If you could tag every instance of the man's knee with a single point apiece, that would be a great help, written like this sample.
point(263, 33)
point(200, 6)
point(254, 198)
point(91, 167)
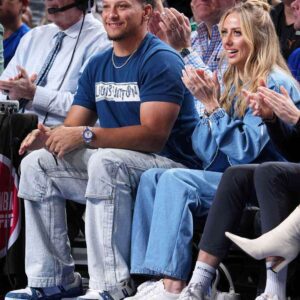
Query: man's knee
point(107, 168)
point(109, 159)
point(35, 161)
point(33, 181)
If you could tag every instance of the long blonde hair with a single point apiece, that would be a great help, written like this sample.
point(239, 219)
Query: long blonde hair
point(260, 35)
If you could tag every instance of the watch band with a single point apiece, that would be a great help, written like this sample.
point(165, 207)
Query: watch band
point(185, 52)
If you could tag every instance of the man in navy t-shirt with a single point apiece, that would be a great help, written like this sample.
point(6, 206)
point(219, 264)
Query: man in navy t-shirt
point(11, 18)
point(146, 119)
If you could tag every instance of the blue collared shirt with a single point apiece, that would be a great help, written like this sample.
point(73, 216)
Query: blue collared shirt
point(206, 50)
point(206, 54)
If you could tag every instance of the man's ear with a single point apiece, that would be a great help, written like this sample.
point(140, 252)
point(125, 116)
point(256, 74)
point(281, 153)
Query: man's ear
point(147, 12)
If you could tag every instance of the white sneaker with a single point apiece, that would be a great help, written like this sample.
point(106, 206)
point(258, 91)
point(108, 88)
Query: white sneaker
point(265, 296)
point(192, 292)
point(143, 289)
point(153, 291)
point(124, 290)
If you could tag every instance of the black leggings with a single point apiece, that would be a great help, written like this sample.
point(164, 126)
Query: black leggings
point(274, 186)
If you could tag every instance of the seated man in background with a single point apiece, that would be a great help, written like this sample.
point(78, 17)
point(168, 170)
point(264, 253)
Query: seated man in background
point(294, 58)
point(44, 71)
point(283, 18)
point(37, 8)
point(11, 18)
point(201, 48)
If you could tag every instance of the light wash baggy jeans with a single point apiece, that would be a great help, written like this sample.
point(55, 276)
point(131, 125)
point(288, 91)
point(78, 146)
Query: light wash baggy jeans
point(166, 205)
point(104, 179)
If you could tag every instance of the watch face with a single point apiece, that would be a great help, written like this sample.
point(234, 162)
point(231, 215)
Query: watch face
point(184, 52)
point(87, 135)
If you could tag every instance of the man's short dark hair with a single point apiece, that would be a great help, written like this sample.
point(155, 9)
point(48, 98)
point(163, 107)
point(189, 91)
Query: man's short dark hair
point(151, 2)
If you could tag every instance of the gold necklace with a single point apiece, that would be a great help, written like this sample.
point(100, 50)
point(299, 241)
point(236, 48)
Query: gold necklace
point(125, 63)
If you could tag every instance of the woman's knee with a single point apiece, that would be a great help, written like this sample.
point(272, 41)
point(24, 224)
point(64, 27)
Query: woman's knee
point(147, 187)
point(151, 177)
point(240, 175)
point(268, 174)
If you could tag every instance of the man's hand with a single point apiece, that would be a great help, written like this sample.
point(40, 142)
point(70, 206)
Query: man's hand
point(63, 140)
point(154, 28)
point(36, 139)
point(282, 105)
point(257, 104)
point(158, 5)
point(20, 86)
point(176, 27)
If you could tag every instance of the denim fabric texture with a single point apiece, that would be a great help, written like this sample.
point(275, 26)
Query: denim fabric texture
point(106, 180)
point(225, 139)
point(167, 203)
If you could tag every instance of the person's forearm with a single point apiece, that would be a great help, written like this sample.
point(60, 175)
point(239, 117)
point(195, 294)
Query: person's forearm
point(56, 102)
point(138, 138)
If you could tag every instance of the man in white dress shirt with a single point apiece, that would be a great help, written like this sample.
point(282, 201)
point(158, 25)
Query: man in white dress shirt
point(84, 36)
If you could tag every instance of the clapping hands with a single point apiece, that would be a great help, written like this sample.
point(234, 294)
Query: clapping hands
point(266, 102)
point(172, 27)
point(20, 86)
point(202, 86)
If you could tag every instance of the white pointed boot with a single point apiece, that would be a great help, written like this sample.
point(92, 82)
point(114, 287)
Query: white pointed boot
point(282, 241)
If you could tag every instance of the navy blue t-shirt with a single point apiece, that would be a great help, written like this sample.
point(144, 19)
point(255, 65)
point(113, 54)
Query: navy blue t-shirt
point(153, 73)
point(11, 43)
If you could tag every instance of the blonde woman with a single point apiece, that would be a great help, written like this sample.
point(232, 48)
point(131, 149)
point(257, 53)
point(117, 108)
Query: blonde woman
point(227, 134)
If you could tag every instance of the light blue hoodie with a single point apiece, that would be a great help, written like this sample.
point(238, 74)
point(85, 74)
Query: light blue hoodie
point(225, 139)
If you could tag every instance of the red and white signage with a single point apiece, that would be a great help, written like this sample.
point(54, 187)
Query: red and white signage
point(10, 213)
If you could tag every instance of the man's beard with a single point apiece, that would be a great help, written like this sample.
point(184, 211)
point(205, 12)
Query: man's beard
point(119, 37)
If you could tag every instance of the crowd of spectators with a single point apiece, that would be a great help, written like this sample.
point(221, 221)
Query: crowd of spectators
point(153, 117)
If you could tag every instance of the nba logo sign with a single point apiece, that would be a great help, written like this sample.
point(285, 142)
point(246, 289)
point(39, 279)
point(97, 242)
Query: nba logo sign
point(10, 214)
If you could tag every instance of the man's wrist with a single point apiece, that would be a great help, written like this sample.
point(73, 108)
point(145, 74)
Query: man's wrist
point(55, 126)
point(297, 125)
point(31, 92)
point(78, 136)
point(270, 119)
point(185, 51)
point(297, 118)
